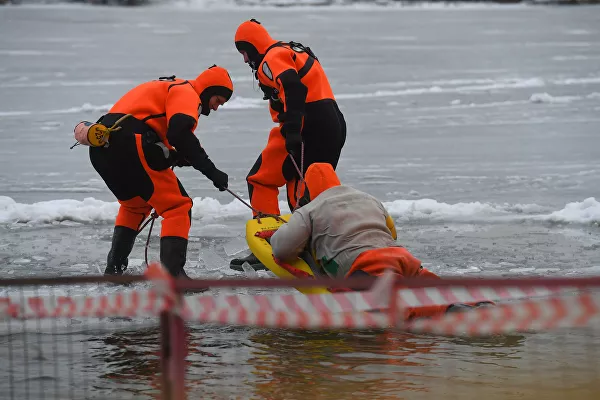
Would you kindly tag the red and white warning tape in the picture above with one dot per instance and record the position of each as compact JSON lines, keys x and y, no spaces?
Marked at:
{"x":432,"y":296}
{"x":542,"y":307}
{"x":283,"y":315}
{"x":126,"y":304}
{"x":581,"y":309}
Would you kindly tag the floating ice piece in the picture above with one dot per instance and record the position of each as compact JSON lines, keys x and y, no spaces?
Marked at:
{"x":250,"y":272}
{"x":235,"y":246}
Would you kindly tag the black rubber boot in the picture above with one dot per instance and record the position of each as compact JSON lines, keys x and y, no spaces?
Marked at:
{"x":459,"y":307}
{"x":236,"y":263}
{"x":122,"y":244}
{"x":173,"y":255}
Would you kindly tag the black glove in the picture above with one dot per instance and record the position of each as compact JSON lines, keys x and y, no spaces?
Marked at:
{"x":218,"y":178}
{"x":179,"y":160}
{"x":291,"y":132}
{"x":293,"y":144}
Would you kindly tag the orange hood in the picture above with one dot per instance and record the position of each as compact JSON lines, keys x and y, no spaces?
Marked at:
{"x":251,"y":37}
{"x":319,"y":177}
{"x":215,"y":81}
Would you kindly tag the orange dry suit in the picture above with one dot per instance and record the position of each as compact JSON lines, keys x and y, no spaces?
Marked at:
{"x":301,"y":101}
{"x":350,"y":232}
{"x":136,"y":164}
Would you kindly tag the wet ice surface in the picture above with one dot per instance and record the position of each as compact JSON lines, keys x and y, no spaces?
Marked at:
{"x":501,"y":249}
{"x":478,"y":128}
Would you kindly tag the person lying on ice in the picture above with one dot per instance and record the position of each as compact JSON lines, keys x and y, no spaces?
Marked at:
{"x":302,"y":104}
{"x":351,"y":234}
{"x":136,"y":165}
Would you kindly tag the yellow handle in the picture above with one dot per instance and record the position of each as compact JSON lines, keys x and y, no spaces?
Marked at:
{"x":116,"y":126}
{"x":391,"y":226}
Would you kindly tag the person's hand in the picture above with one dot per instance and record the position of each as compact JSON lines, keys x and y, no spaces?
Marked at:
{"x":181,"y":161}
{"x":219,"y":179}
{"x":293,"y":144}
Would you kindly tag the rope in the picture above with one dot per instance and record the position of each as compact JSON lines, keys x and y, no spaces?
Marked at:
{"x":115,"y":126}
{"x":259,"y":214}
{"x":299,"y":170}
{"x":153,"y":217}
{"x":300,"y":173}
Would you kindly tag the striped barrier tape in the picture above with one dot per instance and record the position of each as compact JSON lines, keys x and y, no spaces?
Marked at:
{"x":339,"y":310}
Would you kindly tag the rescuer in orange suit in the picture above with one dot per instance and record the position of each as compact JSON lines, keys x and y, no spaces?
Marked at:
{"x":351,"y":234}
{"x":302,"y":104}
{"x":137,"y":164}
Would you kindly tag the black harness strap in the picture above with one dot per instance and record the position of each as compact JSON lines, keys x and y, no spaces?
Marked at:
{"x":298,"y":48}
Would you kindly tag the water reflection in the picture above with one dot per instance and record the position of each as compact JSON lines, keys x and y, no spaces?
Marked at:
{"x":375,"y":364}
{"x":277,"y":364}
{"x":249,"y":363}
{"x":283,"y":364}
{"x":126,"y":362}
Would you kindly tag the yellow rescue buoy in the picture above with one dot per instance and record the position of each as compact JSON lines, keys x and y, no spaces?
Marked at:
{"x":92,"y":134}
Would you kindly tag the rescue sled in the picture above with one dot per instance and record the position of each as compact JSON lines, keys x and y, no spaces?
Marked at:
{"x":258,"y":234}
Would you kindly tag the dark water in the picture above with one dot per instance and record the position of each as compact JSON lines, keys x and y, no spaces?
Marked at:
{"x":120,"y":360}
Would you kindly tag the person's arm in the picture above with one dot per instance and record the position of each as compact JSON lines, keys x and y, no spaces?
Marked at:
{"x":294,"y":95}
{"x":182,"y":116}
{"x":291,"y":238}
{"x":281,"y":67}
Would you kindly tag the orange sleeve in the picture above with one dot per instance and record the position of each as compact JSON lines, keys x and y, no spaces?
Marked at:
{"x":277,"y":61}
{"x":182,"y":99}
